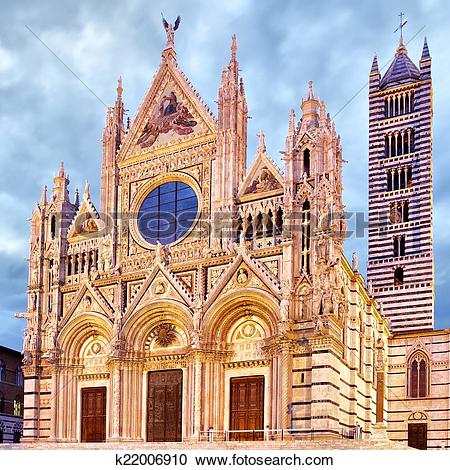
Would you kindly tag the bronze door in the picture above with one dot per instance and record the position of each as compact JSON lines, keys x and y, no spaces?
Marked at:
{"x":247,"y":407}
{"x":417,"y":435}
{"x":93,"y":414}
{"x":164,"y":405}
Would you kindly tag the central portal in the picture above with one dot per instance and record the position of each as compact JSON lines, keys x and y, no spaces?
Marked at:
{"x":164,"y":405}
{"x":247,"y":408}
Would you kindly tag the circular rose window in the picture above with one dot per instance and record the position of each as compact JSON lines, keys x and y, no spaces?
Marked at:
{"x":167,"y":213}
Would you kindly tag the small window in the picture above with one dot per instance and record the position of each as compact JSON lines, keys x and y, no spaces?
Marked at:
{"x":17,"y":406}
{"x":398,"y":276}
{"x":19,"y":376}
{"x":2,"y":403}
{"x":2,"y":371}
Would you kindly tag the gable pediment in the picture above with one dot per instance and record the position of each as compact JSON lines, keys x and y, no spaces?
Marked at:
{"x":263,"y":178}
{"x":160,"y":284}
{"x":86,"y":222}
{"x":243,"y":272}
{"x":171,"y":113}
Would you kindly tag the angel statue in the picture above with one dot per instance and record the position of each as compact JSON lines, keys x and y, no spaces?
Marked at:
{"x":170,"y":30}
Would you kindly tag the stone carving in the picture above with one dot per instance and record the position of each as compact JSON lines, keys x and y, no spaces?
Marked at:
{"x":242,"y":276}
{"x":164,"y":335}
{"x":170,"y":30}
{"x":355,"y":261}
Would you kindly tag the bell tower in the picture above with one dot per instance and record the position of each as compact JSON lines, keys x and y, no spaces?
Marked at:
{"x":400,"y":261}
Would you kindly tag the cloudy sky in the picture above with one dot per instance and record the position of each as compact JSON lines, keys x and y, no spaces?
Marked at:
{"x":47,"y":115}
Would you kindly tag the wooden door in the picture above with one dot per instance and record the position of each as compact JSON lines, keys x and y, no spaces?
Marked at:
{"x":164,"y":407}
{"x":417,"y":435}
{"x":247,"y":407}
{"x":93,"y":414}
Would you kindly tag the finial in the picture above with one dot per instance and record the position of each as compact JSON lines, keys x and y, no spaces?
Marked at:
{"x":233,"y":47}
{"x":44,"y":196}
{"x":400,"y":28}
{"x":119,"y":87}
{"x":61,"y":170}
{"x":291,"y":129}
{"x":77,"y":198}
{"x":170,"y":30}
{"x":262,"y":143}
{"x":310,"y":90}
{"x":86,"y":194}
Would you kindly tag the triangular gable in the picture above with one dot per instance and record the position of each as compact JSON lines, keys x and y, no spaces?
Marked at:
{"x":243,"y":262}
{"x":86,"y":222}
{"x":263,"y":177}
{"x":305,"y":139}
{"x":89,"y":299}
{"x":160,"y":283}
{"x":171,"y":111}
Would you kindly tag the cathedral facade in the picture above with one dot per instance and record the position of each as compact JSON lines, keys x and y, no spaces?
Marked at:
{"x":205,"y":298}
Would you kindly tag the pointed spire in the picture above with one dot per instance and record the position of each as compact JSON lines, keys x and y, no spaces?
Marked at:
{"x":44,"y":196}
{"x":119,"y":88}
{"x":77,"y":198}
{"x":233,"y":67}
{"x":262,"y":143}
{"x":425,"y":50}
{"x":86,"y":194}
{"x":374,"y":68}
{"x":291,"y":128}
{"x":61,"y":170}
{"x":233,"y":47}
{"x":310,"y":90}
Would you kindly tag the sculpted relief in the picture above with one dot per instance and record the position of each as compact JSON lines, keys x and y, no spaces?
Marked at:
{"x":173,"y":116}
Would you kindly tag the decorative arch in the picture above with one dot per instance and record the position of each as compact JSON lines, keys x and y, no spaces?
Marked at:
{"x":139,"y":326}
{"x":227,"y":310}
{"x":74,"y":334}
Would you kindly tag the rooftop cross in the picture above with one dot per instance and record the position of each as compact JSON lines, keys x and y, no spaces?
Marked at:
{"x":402,"y":23}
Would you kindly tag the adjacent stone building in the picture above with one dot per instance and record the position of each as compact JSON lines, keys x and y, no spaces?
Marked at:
{"x":11,"y":395}
{"x":205,"y":295}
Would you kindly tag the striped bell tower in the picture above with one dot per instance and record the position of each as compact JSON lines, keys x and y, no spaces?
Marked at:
{"x":400,"y":261}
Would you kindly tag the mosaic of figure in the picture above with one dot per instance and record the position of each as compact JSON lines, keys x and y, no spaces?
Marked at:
{"x":172,"y":116}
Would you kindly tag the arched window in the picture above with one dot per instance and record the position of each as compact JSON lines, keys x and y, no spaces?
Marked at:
{"x":19,"y":376}
{"x":259,"y":226}
{"x":269,"y":224}
{"x":239,"y":229}
{"x":2,"y":371}
{"x":279,"y":222}
{"x":249,"y":231}
{"x":2,"y":403}
{"x":17,"y":406}
{"x":306,"y":237}
{"x":307,"y":162}
{"x":398,"y":276}
{"x":53,"y":226}
{"x":418,"y":376}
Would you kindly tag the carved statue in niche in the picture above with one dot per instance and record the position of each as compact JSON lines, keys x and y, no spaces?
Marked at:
{"x":105,"y":253}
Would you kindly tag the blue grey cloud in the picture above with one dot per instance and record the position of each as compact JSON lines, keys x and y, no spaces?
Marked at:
{"x":47,"y":115}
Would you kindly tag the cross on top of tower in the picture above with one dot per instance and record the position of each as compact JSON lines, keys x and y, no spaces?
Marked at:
{"x":400,"y":27}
